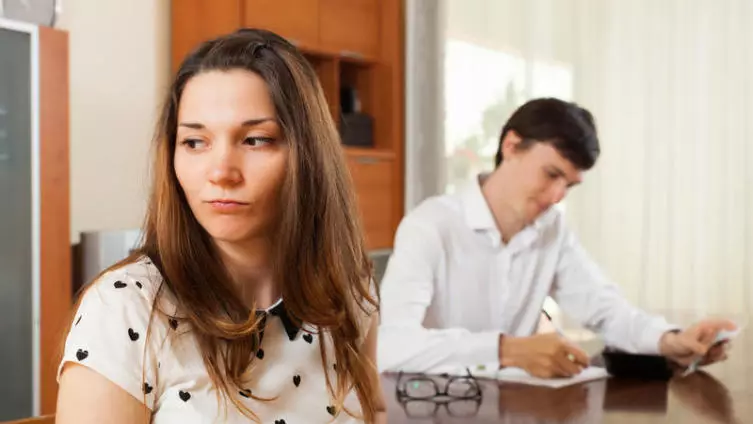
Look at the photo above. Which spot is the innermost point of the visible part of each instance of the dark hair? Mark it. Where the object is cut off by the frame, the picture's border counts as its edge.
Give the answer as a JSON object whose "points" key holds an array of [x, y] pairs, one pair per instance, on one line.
{"points": [[567, 126], [320, 262]]}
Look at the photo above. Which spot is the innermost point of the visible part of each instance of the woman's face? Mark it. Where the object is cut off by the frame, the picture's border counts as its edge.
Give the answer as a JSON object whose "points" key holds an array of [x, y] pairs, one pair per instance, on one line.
{"points": [[230, 156]]}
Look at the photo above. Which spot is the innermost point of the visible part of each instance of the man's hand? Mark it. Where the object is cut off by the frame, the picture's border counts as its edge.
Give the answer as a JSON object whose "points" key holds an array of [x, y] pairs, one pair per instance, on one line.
{"points": [[542, 355], [696, 342]]}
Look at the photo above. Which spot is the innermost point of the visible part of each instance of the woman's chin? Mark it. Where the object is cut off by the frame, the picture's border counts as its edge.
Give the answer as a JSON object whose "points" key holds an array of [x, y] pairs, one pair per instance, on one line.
{"points": [[230, 235]]}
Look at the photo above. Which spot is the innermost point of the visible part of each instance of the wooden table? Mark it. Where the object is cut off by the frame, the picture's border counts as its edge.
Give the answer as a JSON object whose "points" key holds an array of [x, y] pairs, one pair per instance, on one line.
{"points": [[722, 393]]}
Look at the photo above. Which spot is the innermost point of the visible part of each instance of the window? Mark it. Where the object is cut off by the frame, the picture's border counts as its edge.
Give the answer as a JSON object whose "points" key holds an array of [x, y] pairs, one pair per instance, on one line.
{"points": [[482, 88]]}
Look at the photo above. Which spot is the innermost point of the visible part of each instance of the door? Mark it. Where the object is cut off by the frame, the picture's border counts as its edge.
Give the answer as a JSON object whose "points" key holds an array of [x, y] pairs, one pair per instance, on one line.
{"points": [[16, 353], [373, 180], [296, 20], [196, 21], [350, 27]]}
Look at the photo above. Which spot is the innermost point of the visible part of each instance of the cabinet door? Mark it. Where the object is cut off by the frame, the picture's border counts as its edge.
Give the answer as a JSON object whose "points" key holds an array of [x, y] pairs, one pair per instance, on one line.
{"points": [[350, 26], [296, 20], [194, 21], [373, 185], [16, 277]]}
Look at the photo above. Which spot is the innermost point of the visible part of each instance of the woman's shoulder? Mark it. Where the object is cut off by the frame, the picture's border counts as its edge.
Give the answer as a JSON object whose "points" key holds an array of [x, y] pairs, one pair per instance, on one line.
{"points": [[135, 283], [114, 330], [141, 273]]}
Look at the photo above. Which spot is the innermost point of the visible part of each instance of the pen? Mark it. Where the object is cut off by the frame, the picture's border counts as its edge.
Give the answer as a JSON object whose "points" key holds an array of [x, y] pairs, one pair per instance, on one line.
{"points": [[561, 333], [693, 367], [556, 328]]}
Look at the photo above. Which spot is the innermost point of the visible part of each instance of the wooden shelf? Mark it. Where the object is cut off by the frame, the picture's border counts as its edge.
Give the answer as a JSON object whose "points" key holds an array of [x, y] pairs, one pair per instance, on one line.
{"points": [[343, 56], [366, 152]]}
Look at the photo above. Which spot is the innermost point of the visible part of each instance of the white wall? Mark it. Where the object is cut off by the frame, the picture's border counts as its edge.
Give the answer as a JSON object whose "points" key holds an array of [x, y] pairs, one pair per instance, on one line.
{"points": [[119, 70]]}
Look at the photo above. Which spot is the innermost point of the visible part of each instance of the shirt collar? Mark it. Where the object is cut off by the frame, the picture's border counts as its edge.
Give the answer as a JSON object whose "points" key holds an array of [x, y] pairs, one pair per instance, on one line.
{"points": [[478, 215], [278, 310]]}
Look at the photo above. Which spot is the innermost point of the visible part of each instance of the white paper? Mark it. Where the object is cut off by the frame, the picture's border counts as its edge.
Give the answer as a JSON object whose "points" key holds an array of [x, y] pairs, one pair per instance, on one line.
{"points": [[721, 336], [518, 375], [725, 335]]}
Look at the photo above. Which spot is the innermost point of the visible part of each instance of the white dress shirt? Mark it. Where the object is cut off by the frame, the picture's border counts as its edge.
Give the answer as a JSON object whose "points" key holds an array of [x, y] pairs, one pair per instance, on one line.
{"points": [[451, 287]]}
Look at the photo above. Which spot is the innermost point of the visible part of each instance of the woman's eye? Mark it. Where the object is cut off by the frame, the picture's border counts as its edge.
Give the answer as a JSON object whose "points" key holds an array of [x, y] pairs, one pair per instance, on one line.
{"points": [[192, 143], [258, 141]]}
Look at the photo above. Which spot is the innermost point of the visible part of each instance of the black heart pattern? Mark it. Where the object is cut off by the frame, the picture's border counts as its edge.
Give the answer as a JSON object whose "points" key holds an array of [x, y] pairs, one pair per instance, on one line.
{"points": [[147, 388], [331, 410], [119, 284], [138, 284], [334, 367], [297, 380], [173, 323], [279, 421], [133, 335], [309, 338], [78, 320], [260, 353], [246, 393], [81, 354], [184, 396]]}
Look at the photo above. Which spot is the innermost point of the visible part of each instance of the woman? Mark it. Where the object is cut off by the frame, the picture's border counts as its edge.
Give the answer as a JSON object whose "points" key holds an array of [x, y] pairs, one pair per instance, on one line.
{"points": [[250, 296]]}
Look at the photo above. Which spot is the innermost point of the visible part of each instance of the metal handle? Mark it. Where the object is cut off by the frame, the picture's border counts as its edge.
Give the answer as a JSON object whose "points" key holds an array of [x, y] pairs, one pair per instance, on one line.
{"points": [[351, 54], [365, 160]]}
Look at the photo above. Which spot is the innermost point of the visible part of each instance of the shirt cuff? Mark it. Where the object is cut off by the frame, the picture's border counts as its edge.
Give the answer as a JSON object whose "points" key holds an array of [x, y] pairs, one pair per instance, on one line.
{"points": [[649, 341], [480, 349]]}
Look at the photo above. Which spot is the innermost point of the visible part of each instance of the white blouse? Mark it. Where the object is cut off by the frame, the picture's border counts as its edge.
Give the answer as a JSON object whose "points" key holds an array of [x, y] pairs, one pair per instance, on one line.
{"points": [[169, 376]]}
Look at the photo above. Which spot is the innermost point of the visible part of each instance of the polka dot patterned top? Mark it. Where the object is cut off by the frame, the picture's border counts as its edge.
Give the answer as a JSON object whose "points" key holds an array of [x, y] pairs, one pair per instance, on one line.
{"points": [[169, 376]]}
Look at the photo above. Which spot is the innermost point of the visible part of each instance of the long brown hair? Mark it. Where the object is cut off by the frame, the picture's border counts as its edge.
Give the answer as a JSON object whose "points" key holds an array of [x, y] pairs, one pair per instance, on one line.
{"points": [[320, 261]]}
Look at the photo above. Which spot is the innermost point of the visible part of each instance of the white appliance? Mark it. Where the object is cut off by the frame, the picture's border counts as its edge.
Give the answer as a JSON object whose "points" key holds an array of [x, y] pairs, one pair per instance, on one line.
{"points": [[100, 249]]}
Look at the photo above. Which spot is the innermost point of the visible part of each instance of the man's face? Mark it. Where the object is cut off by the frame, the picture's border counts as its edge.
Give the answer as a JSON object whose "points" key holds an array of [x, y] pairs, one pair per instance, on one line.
{"points": [[541, 177]]}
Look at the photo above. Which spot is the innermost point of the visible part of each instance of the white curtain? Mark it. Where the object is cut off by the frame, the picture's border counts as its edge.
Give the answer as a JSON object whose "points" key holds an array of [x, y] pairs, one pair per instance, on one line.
{"points": [[424, 130], [667, 210]]}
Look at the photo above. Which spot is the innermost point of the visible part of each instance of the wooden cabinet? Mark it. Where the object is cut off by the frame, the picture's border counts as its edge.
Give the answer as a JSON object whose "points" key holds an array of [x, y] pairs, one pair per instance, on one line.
{"points": [[373, 178], [194, 21], [350, 27], [327, 69], [297, 20], [346, 27]]}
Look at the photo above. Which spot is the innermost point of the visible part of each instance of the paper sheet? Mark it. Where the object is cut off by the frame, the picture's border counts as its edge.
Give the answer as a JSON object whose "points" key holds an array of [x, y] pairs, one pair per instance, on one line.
{"points": [[723, 335], [518, 375]]}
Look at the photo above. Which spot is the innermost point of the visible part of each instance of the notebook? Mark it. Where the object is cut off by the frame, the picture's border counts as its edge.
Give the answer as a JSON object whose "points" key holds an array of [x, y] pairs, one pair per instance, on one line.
{"points": [[520, 376]]}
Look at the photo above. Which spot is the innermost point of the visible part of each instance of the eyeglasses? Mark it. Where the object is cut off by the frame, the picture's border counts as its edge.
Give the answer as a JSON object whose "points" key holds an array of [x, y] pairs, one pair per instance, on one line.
{"points": [[426, 408], [422, 396]]}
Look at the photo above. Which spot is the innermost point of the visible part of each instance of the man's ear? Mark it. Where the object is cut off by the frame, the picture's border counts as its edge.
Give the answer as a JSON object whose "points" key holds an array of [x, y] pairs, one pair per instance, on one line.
{"points": [[510, 144]]}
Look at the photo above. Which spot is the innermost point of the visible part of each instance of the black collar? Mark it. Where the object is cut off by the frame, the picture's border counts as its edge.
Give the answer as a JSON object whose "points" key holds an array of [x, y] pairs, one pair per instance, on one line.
{"points": [[279, 311]]}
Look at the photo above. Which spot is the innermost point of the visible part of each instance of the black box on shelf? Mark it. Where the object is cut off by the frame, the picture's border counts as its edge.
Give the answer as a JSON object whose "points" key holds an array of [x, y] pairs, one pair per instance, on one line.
{"points": [[357, 130]]}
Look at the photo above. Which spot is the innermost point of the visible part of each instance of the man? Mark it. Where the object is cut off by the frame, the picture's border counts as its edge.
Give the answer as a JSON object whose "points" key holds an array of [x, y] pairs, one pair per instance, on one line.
{"points": [[470, 271]]}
